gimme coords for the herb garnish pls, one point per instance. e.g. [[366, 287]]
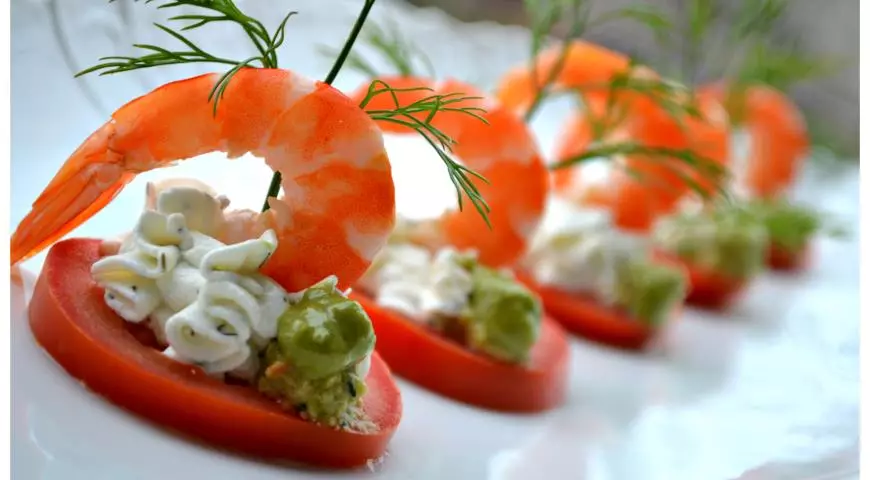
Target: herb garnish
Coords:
[[747, 54], [224, 11], [407, 115], [545, 15], [403, 55], [674, 99], [266, 44]]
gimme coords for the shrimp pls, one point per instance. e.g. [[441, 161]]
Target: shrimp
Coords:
[[778, 134], [637, 202], [503, 150], [338, 206], [585, 68]]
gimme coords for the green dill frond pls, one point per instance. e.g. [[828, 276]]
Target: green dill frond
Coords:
[[756, 18], [782, 67], [679, 161], [676, 101], [673, 98], [409, 116], [404, 56], [701, 18], [214, 11], [545, 15], [266, 44], [649, 16]]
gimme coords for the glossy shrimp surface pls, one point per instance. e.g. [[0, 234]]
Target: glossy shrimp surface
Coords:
[[338, 206], [777, 133], [503, 150]]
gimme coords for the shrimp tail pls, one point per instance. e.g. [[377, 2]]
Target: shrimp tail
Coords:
[[86, 183]]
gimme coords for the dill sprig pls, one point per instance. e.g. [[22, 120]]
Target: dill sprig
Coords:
[[761, 62], [746, 54], [265, 43], [346, 50], [649, 16], [782, 67], [674, 160], [545, 15], [404, 56], [756, 18], [675, 100], [409, 116]]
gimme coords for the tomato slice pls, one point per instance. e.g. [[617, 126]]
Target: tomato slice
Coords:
[[448, 368], [707, 288], [585, 316], [710, 289], [73, 324], [784, 260]]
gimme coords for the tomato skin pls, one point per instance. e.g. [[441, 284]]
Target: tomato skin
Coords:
[[586, 317], [783, 260], [70, 320], [711, 290], [448, 368], [707, 289]]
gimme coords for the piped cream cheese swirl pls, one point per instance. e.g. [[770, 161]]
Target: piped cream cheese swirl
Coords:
[[149, 253], [581, 252], [205, 300], [407, 278], [235, 308]]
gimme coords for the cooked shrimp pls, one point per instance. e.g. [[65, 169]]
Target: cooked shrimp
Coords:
[[778, 135], [504, 151], [586, 66], [637, 202], [338, 206]]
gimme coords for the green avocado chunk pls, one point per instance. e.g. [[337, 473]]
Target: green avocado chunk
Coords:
[[790, 226], [311, 365], [729, 240], [503, 318], [649, 290]]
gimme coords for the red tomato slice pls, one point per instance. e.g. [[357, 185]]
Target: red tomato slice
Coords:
[[71, 321], [707, 288], [781, 259], [448, 368], [586, 317]]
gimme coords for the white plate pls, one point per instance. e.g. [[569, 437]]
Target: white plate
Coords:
[[769, 391]]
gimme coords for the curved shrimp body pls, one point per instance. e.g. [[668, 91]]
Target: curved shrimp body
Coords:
[[338, 206], [637, 200], [778, 134], [585, 67], [504, 151]]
